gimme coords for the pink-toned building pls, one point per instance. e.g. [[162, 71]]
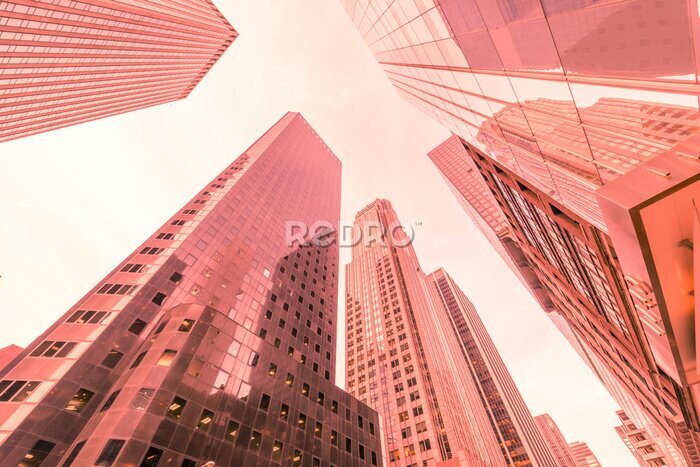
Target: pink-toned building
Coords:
[[419, 355], [575, 149], [641, 444], [214, 341], [583, 456], [555, 440], [63, 63], [8, 353], [521, 442]]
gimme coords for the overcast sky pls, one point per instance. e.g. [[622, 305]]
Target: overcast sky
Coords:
[[78, 200]]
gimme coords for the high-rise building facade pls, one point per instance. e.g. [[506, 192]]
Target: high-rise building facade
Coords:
[[521, 442], [63, 63], [642, 446], [213, 341], [575, 149], [406, 358], [583, 456], [555, 440]]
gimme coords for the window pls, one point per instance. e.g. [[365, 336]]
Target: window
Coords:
[[334, 437], [374, 458], [137, 326], [417, 411], [360, 421], [110, 400], [264, 402], [135, 268], [424, 445], [316, 462], [73, 454], [87, 316], [290, 380], [334, 406], [188, 463], [296, 460], [142, 398], [305, 389], [302, 421], [255, 440], [117, 289], [112, 358], [138, 360], [406, 432], [362, 451], [232, 430], [37, 454], [110, 452], [79, 400], [160, 328], [371, 428], [159, 298], [175, 408], [348, 445], [18, 391], [176, 277], [167, 358], [318, 430], [58, 349], [421, 427], [205, 420], [284, 411], [272, 370], [152, 457], [277, 451], [186, 325], [320, 398]]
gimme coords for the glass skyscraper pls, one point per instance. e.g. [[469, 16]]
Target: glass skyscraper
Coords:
[[418, 354], [213, 341], [575, 150], [63, 62]]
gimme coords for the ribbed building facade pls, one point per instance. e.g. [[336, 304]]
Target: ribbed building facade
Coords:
[[521, 442], [214, 341], [575, 149], [63, 63], [555, 440], [583, 455], [406, 359], [641, 444]]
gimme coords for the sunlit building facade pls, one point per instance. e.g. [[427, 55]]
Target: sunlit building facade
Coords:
[[575, 149], [555, 440], [521, 442], [583, 456], [63, 63], [406, 360], [214, 341], [642, 446]]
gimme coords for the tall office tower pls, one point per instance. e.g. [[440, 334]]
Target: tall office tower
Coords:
[[213, 341], [576, 145], [403, 357], [63, 63], [521, 442], [555, 440], [583, 455], [642, 446]]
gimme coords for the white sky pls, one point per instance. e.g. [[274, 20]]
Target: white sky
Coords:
[[78, 200]]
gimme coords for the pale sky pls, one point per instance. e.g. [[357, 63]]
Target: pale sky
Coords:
[[78, 200]]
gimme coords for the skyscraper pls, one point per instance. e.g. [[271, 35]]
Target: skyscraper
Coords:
[[406, 358], [575, 149], [521, 442], [555, 440], [213, 341], [63, 63], [642, 446], [583, 455]]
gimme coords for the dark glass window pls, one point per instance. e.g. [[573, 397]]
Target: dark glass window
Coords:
[[79, 400], [137, 326], [232, 430], [37, 454], [186, 325], [152, 457], [110, 452], [73, 454], [205, 420], [255, 441], [110, 400], [175, 408], [112, 358]]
